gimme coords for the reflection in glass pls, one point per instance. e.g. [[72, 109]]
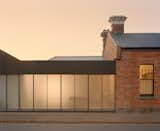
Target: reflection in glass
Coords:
[[146, 71], [108, 92], [54, 91], [146, 79], [12, 92], [81, 92], [26, 92], [95, 92], [40, 92], [2, 92], [146, 87], [67, 92]]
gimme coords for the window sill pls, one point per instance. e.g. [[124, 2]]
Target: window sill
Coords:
[[147, 97]]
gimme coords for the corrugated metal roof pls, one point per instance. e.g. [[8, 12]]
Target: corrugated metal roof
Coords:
[[137, 40], [77, 58]]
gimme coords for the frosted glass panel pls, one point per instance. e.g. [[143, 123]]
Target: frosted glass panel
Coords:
[[108, 92], [95, 92], [26, 92], [54, 91], [2, 92], [40, 91], [12, 92], [67, 92], [81, 92]]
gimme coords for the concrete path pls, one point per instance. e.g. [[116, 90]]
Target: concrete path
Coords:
[[78, 127], [80, 117]]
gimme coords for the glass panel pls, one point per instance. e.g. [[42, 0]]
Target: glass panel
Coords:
[[146, 71], [95, 92], [54, 91], [40, 92], [146, 87], [108, 92], [2, 92], [26, 92], [81, 92], [67, 92], [12, 92]]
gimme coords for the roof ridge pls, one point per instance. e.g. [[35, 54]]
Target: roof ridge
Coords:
[[142, 33]]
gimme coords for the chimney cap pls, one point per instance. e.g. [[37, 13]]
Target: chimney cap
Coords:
[[118, 19]]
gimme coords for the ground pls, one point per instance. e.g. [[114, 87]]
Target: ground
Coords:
[[74, 121], [79, 127]]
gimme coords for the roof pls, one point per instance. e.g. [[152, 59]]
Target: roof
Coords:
[[64, 67], [77, 58], [137, 40], [11, 65], [7, 57]]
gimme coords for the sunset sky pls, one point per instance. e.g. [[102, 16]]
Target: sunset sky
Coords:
[[41, 29]]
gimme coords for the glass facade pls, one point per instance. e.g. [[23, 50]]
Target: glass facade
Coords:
[[57, 92]]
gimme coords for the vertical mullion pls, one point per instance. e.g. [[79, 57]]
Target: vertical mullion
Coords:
[[88, 92], [6, 94], [47, 91], [33, 95], [19, 106], [74, 107], [61, 92], [102, 92]]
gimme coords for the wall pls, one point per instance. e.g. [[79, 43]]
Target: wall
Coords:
[[127, 80], [55, 92], [111, 50]]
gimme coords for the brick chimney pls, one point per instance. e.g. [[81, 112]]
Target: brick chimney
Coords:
[[117, 23]]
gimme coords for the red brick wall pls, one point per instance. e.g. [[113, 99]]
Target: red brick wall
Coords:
[[127, 80], [110, 51]]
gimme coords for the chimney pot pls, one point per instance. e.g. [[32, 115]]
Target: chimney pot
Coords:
[[117, 23]]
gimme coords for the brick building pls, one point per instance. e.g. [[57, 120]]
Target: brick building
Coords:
[[137, 57], [124, 78]]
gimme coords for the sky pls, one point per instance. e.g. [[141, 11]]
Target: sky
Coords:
[[41, 29]]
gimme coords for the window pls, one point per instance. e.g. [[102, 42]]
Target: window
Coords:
[[146, 80]]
